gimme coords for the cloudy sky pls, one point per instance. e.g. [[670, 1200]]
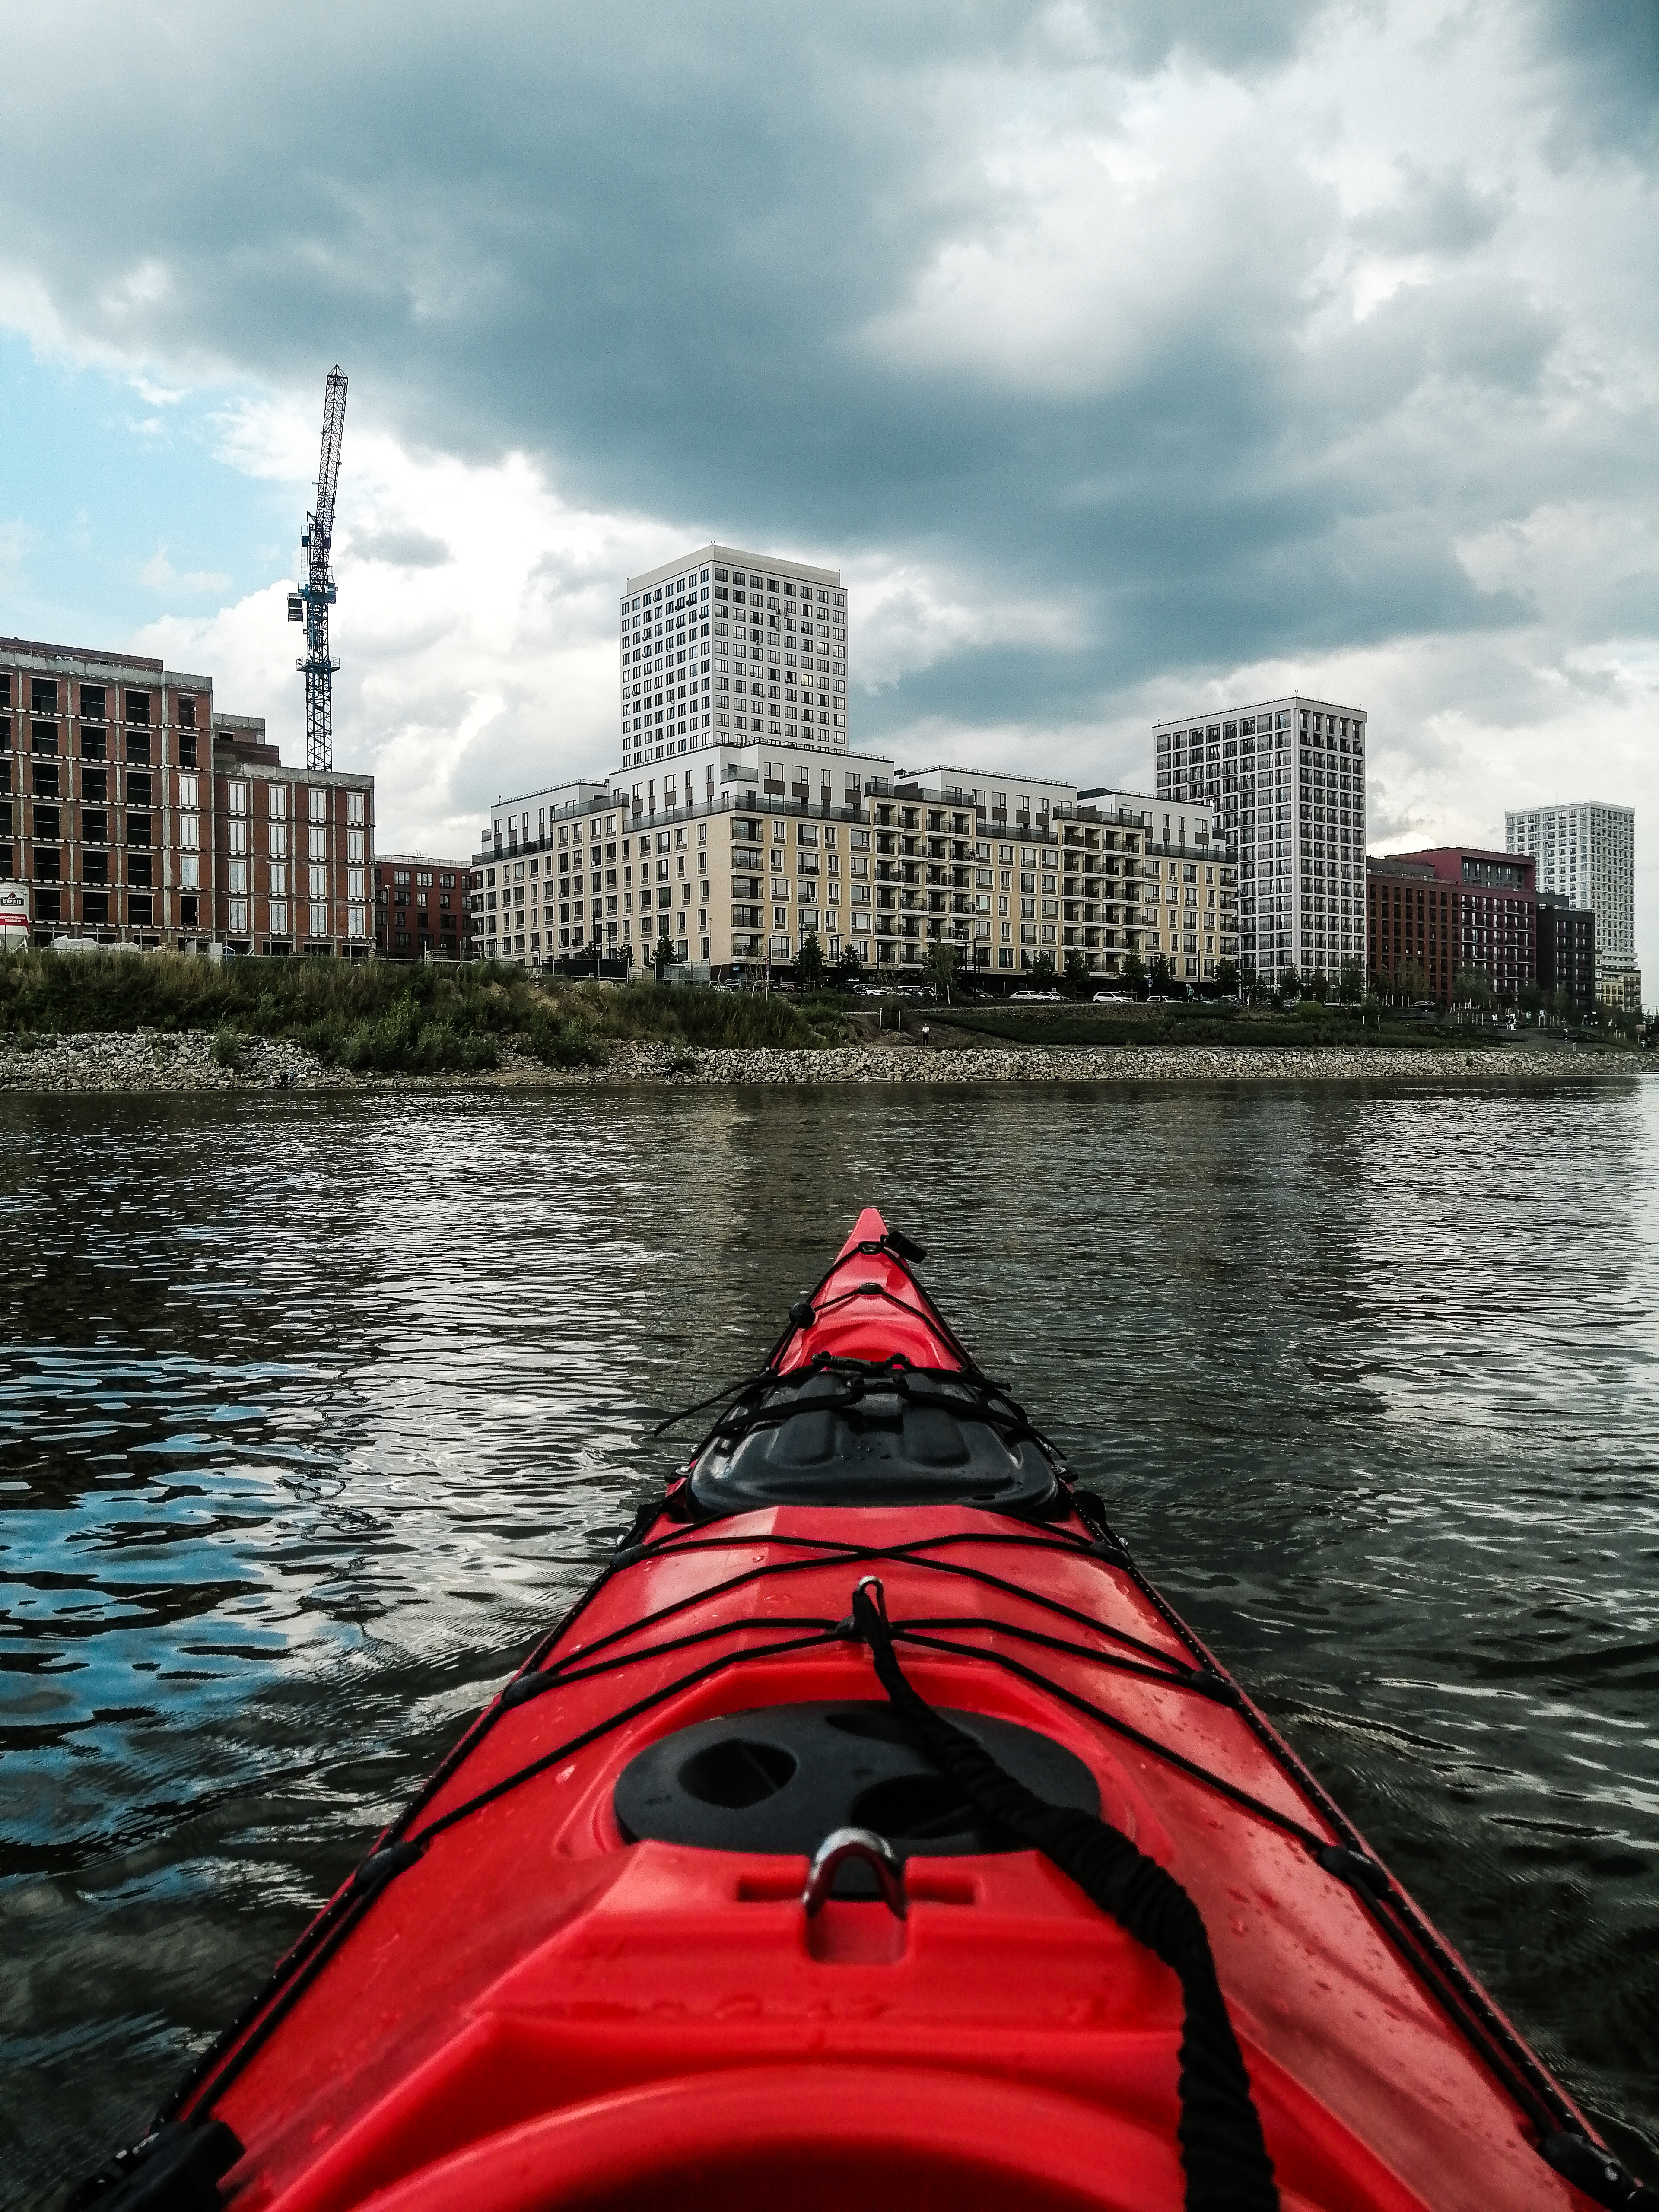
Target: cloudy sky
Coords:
[[1128, 357]]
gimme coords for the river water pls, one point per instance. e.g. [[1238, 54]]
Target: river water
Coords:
[[313, 1410]]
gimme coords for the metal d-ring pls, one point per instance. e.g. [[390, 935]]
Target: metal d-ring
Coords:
[[876, 1853]]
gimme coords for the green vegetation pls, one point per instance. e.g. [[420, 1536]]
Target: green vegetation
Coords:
[[369, 1015], [726, 1020], [809, 963], [940, 966]]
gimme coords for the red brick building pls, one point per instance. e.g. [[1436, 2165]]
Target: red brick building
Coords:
[[295, 849], [421, 907], [132, 812], [1449, 908], [104, 798]]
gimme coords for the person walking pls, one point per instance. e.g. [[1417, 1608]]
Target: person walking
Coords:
[[927, 1038]]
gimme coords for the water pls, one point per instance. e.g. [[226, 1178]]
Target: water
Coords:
[[312, 1412]]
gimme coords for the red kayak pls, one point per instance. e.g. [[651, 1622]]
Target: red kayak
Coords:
[[871, 1833]]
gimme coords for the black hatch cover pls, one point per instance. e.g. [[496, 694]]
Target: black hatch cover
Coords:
[[782, 1778]]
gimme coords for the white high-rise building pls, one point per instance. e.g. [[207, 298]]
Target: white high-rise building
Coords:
[[1587, 850], [724, 645], [1284, 784]]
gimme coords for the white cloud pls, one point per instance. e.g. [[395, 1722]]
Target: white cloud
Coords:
[[158, 575], [492, 670]]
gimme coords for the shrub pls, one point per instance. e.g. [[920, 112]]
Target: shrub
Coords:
[[561, 1040], [374, 1015], [226, 1046]]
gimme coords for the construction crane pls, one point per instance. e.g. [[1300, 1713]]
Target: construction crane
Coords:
[[310, 602]]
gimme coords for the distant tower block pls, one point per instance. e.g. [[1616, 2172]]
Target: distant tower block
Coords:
[[725, 646], [310, 603]]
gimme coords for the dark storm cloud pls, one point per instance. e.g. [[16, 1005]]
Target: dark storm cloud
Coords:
[[678, 256], [1439, 211], [401, 549], [1602, 60]]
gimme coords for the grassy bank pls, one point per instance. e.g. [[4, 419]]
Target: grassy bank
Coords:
[[1261, 1027], [1309, 1024], [372, 1015]]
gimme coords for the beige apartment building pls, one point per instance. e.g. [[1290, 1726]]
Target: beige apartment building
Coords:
[[743, 853], [739, 825], [1190, 902]]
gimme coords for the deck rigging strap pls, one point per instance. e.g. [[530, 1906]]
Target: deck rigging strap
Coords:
[[1227, 2162]]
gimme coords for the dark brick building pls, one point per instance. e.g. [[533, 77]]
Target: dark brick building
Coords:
[[1407, 918], [420, 907], [1566, 948], [105, 813], [130, 812]]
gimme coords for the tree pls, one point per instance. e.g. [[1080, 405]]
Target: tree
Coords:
[[809, 962], [1290, 982], [663, 955], [1160, 975], [1077, 978], [849, 968], [1250, 983], [1351, 981], [1226, 977], [1319, 986], [1410, 981], [1134, 973], [1470, 986], [940, 966], [1043, 971]]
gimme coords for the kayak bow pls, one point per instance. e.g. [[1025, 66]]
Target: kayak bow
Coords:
[[872, 1826]]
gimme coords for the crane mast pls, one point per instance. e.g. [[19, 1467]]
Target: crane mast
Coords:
[[310, 603]]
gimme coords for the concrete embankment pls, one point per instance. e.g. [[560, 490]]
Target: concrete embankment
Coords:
[[159, 1062]]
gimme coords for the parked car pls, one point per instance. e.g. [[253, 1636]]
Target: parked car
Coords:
[[1112, 999], [1034, 996]]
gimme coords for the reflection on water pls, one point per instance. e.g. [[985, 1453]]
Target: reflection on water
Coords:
[[312, 1413]]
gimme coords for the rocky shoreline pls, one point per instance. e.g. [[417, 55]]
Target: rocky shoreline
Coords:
[[151, 1061]]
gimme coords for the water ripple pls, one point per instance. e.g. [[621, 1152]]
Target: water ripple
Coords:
[[313, 1412]]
